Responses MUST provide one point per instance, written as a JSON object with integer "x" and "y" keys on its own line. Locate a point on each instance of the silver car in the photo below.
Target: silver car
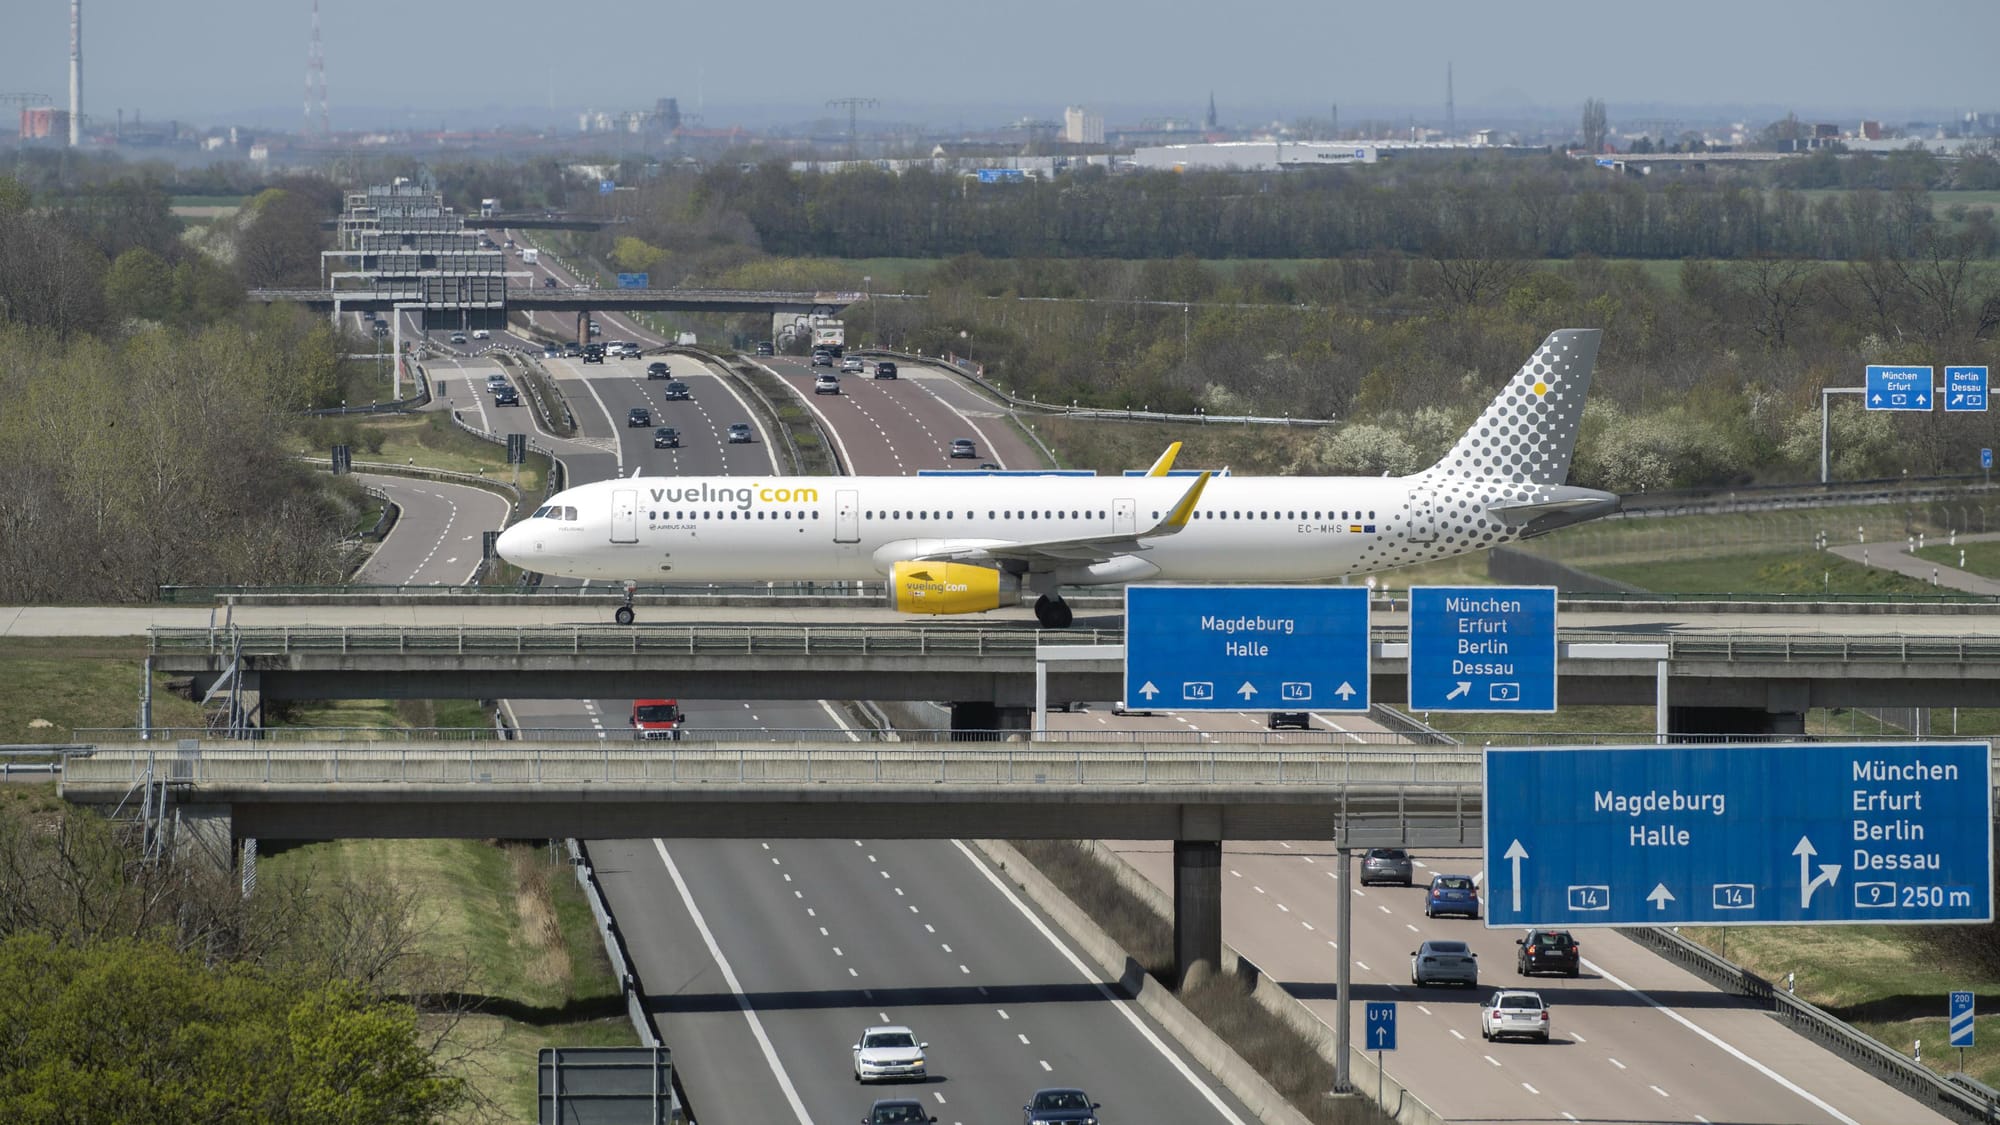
{"x": 1444, "y": 962}
{"x": 1386, "y": 865}
{"x": 1513, "y": 1012}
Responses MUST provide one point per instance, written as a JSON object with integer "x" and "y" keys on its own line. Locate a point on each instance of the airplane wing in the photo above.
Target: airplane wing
{"x": 1043, "y": 553}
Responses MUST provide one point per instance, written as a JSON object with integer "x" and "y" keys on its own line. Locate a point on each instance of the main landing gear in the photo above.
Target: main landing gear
{"x": 1052, "y": 612}
{"x": 624, "y": 616}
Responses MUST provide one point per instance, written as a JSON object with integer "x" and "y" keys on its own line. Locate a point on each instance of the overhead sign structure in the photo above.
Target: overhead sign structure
{"x": 1898, "y": 388}
{"x": 1483, "y": 648}
{"x": 1244, "y": 648}
{"x": 1964, "y": 388}
{"x": 1380, "y": 1034}
{"x": 1739, "y": 835}
{"x": 1961, "y": 1019}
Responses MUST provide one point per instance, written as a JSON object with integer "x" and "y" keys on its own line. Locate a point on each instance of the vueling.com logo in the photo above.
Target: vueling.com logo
{"x": 739, "y": 498}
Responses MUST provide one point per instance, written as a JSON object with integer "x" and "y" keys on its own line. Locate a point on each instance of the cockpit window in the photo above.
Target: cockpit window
{"x": 569, "y": 513}
{"x": 539, "y": 513}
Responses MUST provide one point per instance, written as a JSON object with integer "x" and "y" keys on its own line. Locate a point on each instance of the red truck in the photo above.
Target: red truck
{"x": 657, "y": 718}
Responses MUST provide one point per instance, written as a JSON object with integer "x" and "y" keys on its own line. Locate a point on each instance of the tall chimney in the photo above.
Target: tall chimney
{"x": 75, "y": 72}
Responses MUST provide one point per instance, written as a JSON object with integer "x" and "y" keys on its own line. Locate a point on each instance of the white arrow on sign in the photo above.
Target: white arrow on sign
{"x": 1828, "y": 872}
{"x": 1345, "y": 691}
{"x": 1517, "y": 853}
{"x": 1464, "y": 688}
{"x": 1148, "y": 690}
{"x": 1381, "y": 1034}
{"x": 1246, "y": 691}
{"x": 1660, "y": 897}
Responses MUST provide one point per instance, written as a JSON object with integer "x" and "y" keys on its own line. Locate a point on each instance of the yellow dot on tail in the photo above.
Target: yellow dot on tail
{"x": 1541, "y": 388}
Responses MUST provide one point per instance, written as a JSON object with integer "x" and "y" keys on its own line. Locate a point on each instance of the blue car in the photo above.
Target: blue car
{"x": 1451, "y": 894}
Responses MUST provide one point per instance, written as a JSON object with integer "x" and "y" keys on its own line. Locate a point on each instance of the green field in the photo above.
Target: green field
{"x": 56, "y": 684}
{"x": 1782, "y": 572}
{"x": 1982, "y": 559}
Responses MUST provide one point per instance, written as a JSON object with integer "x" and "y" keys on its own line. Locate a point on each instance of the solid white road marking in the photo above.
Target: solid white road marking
{"x": 1363, "y": 966}
{"x": 1718, "y": 1041}
{"x": 1123, "y": 1008}
{"x": 736, "y": 989}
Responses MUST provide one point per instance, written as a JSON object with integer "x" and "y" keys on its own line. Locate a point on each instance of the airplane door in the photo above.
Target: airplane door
{"x": 625, "y": 515}
{"x": 1423, "y": 515}
{"x": 847, "y": 516}
{"x": 1124, "y": 518}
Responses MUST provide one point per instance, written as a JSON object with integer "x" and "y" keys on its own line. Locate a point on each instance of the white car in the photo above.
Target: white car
{"x": 481, "y": 334}
{"x": 851, "y": 363}
{"x": 826, "y": 385}
{"x": 1514, "y": 1012}
{"x": 888, "y": 1052}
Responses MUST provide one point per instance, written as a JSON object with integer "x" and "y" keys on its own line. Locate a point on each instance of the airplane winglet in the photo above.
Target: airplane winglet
{"x": 1184, "y": 510}
{"x": 1166, "y": 462}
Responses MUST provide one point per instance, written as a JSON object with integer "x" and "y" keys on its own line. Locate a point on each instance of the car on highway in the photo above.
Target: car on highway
{"x": 885, "y": 370}
{"x": 1444, "y": 962}
{"x": 822, "y": 359}
{"x": 506, "y": 396}
{"x": 656, "y": 719}
{"x": 571, "y": 351}
{"x": 676, "y": 391}
{"x": 495, "y": 381}
{"x": 666, "y": 437}
{"x": 658, "y": 370}
{"x": 1297, "y": 720}
{"x": 739, "y": 433}
{"x": 852, "y": 364}
{"x": 1060, "y": 1106}
{"x": 593, "y": 329}
{"x": 1119, "y": 708}
{"x": 764, "y": 347}
{"x": 548, "y": 283}
{"x": 890, "y": 1051}
{"x": 1512, "y": 1012}
{"x": 458, "y": 337}
{"x": 1452, "y": 894}
{"x": 1387, "y": 865}
{"x": 622, "y": 349}
{"x": 593, "y": 353}
{"x": 828, "y": 384}
{"x": 988, "y": 465}
{"x": 1548, "y": 951}
{"x": 898, "y": 1111}
{"x": 481, "y": 334}
{"x": 963, "y": 447}
{"x": 638, "y": 416}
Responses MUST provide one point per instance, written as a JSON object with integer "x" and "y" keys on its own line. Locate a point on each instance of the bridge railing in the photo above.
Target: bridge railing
{"x": 1452, "y": 778}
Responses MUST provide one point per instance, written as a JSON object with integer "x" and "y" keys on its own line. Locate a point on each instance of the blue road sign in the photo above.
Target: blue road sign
{"x": 1380, "y": 1034}
{"x": 634, "y": 280}
{"x": 1898, "y": 388}
{"x": 1986, "y": 458}
{"x": 1742, "y": 835}
{"x": 606, "y": 187}
{"x": 1961, "y": 1019}
{"x": 1242, "y": 648}
{"x": 1964, "y": 388}
{"x": 1483, "y": 648}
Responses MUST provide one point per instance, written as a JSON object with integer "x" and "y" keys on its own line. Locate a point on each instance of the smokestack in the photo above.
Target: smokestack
{"x": 75, "y": 72}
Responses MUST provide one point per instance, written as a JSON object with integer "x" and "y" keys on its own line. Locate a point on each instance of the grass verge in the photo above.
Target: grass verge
{"x": 428, "y": 440}
{"x": 1281, "y": 1055}
{"x": 1982, "y": 559}
{"x": 58, "y": 684}
{"x": 1781, "y": 572}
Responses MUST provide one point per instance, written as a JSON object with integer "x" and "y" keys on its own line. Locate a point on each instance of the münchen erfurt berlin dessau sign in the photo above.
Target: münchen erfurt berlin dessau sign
{"x": 1739, "y": 835}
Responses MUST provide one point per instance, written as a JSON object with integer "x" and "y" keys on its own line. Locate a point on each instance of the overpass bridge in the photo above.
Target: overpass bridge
{"x": 487, "y": 291}
{"x": 1709, "y": 680}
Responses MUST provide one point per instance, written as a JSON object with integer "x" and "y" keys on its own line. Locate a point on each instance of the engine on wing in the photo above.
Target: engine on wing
{"x": 944, "y": 587}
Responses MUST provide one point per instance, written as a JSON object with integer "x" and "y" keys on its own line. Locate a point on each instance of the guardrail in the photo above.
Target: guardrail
{"x": 1449, "y": 780}
{"x": 614, "y": 946}
{"x": 922, "y": 640}
{"x": 865, "y": 592}
{"x": 1926, "y": 1086}
{"x": 693, "y": 736}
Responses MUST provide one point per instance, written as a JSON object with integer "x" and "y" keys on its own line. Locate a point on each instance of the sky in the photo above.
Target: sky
{"x": 946, "y": 63}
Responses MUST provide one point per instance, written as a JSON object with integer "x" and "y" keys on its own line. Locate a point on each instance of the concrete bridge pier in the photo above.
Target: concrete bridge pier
{"x": 1197, "y": 911}
{"x": 582, "y": 327}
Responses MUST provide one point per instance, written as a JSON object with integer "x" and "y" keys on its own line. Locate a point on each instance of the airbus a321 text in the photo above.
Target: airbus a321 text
{"x": 967, "y": 543}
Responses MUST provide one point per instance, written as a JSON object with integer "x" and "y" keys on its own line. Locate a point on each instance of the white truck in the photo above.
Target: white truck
{"x": 530, "y": 255}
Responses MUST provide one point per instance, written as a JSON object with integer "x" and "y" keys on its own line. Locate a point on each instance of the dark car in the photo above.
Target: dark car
{"x": 1548, "y": 951}
{"x": 822, "y": 359}
{"x": 1297, "y": 720}
{"x": 677, "y": 390}
{"x": 666, "y": 437}
{"x": 506, "y": 396}
{"x": 1444, "y": 962}
{"x": 739, "y": 433}
{"x": 548, "y": 283}
{"x": 639, "y": 416}
{"x": 1067, "y": 1106}
{"x": 1386, "y": 865}
{"x": 898, "y": 1111}
{"x": 571, "y": 351}
{"x": 989, "y": 466}
{"x": 658, "y": 370}
{"x": 963, "y": 447}
{"x": 764, "y": 347}
{"x": 885, "y": 370}
{"x": 593, "y": 353}
{"x": 1452, "y": 894}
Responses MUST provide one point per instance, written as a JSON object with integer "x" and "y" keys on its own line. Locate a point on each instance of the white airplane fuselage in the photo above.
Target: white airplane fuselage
{"x": 718, "y": 529}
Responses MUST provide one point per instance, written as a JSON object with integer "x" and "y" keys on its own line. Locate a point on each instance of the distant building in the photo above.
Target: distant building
{"x": 1870, "y": 131}
{"x": 1082, "y": 127}
{"x": 41, "y": 122}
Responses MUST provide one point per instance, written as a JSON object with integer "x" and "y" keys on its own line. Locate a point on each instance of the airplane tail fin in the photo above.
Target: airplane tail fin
{"x": 1528, "y": 433}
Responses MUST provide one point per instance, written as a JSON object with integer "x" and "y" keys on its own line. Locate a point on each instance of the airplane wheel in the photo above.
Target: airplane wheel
{"x": 624, "y": 615}
{"x": 1053, "y": 613}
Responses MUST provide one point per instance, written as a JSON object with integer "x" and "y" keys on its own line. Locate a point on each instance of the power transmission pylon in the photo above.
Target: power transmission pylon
{"x": 854, "y": 106}
{"x": 316, "y": 77}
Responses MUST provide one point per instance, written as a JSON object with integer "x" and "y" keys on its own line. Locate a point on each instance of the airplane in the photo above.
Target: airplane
{"x": 967, "y": 543}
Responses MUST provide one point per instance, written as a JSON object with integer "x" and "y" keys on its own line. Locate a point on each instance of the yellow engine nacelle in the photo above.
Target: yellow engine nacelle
{"x": 943, "y": 587}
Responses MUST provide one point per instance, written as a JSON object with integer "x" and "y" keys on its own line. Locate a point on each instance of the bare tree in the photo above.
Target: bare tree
{"x": 1594, "y": 126}
{"x": 1778, "y": 291}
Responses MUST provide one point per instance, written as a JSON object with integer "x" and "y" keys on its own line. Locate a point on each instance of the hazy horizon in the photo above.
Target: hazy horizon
{"x": 400, "y": 65}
